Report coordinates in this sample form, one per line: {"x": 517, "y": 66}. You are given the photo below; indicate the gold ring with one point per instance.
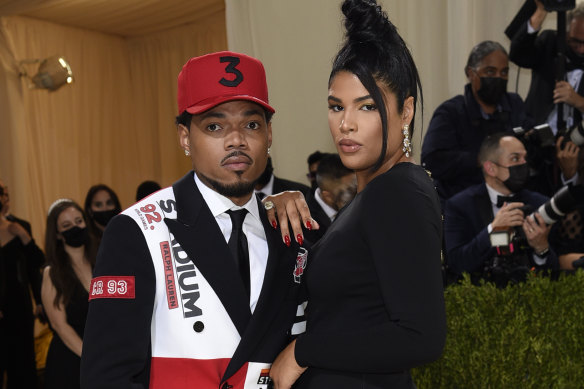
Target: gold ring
{"x": 268, "y": 205}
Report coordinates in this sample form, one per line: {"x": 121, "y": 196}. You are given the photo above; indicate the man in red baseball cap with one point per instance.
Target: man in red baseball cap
{"x": 192, "y": 286}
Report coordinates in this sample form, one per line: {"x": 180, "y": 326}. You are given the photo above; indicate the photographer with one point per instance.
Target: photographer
{"x": 459, "y": 125}
{"x": 481, "y": 210}
{"x": 538, "y": 52}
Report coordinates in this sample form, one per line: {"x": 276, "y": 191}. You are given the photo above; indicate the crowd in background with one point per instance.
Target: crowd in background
{"x": 495, "y": 160}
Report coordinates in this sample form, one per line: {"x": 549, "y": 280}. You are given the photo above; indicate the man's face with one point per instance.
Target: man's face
{"x": 576, "y": 36}
{"x": 312, "y": 172}
{"x": 4, "y": 198}
{"x": 512, "y": 153}
{"x": 229, "y": 147}
{"x": 496, "y": 64}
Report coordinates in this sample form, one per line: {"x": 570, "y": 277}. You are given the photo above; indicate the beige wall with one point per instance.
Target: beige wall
{"x": 297, "y": 40}
{"x": 113, "y": 125}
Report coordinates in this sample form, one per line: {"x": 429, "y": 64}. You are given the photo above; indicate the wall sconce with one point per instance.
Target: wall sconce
{"x": 52, "y": 73}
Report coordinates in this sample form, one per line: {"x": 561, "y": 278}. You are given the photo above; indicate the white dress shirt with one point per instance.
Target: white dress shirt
{"x": 330, "y": 211}
{"x": 252, "y": 228}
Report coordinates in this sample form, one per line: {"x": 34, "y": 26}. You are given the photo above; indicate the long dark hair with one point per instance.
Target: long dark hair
{"x": 61, "y": 271}
{"x": 91, "y": 223}
{"x": 375, "y": 52}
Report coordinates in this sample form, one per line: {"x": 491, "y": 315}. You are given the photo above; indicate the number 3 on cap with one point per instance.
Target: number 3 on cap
{"x": 230, "y": 68}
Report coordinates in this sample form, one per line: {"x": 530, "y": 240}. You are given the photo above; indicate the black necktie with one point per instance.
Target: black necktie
{"x": 262, "y": 195}
{"x": 238, "y": 245}
{"x": 505, "y": 199}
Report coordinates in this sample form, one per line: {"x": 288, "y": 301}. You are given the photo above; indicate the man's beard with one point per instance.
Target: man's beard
{"x": 239, "y": 189}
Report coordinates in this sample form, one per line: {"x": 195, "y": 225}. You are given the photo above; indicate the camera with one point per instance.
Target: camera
{"x": 558, "y": 5}
{"x": 574, "y": 134}
{"x": 540, "y": 136}
{"x": 562, "y": 202}
{"x": 511, "y": 264}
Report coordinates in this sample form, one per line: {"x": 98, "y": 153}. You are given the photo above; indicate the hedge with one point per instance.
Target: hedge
{"x": 529, "y": 335}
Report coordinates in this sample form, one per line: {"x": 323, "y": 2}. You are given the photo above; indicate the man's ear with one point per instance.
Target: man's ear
{"x": 183, "y": 137}
{"x": 269, "y": 134}
{"x": 490, "y": 168}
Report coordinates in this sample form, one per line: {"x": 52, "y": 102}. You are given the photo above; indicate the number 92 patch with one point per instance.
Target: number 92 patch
{"x": 116, "y": 287}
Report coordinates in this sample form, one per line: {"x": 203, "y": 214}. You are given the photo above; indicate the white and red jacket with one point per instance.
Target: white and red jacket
{"x": 168, "y": 309}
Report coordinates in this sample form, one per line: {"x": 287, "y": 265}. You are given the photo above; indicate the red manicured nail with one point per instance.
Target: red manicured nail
{"x": 309, "y": 225}
{"x": 299, "y": 239}
{"x": 287, "y": 240}
{"x": 274, "y": 224}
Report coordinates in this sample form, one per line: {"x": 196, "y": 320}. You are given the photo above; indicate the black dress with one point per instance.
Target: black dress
{"x": 19, "y": 273}
{"x": 375, "y": 304}
{"x": 62, "y": 367}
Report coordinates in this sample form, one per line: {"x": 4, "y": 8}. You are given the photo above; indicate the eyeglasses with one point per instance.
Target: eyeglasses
{"x": 575, "y": 42}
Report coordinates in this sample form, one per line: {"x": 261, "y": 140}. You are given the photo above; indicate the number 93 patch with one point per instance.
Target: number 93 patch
{"x": 113, "y": 287}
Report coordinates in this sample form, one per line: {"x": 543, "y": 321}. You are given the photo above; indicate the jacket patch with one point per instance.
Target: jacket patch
{"x": 264, "y": 377}
{"x": 301, "y": 259}
{"x": 168, "y": 275}
{"x": 120, "y": 287}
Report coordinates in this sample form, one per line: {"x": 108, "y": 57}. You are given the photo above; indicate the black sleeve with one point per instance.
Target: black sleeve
{"x": 116, "y": 342}
{"x": 466, "y": 252}
{"x": 35, "y": 259}
{"x": 405, "y": 248}
{"x": 442, "y": 153}
{"x": 529, "y": 50}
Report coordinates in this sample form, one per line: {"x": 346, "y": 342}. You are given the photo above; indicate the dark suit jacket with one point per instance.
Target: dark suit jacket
{"x": 455, "y": 134}
{"x": 320, "y": 216}
{"x": 466, "y": 218}
{"x": 281, "y": 185}
{"x": 117, "y": 335}
{"x": 30, "y": 268}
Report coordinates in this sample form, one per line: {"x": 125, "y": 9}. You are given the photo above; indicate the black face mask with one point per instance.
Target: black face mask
{"x": 518, "y": 177}
{"x": 103, "y": 217}
{"x": 76, "y": 236}
{"x": 492, "y": 89}
{"x": 574, "y": 60}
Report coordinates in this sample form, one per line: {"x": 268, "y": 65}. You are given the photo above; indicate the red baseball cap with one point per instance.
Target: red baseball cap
{"x": 207, "y": 81}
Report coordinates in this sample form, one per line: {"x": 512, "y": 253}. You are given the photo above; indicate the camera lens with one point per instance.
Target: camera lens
{"x": 565, "y": 200}
{"x": 576, "y": 135}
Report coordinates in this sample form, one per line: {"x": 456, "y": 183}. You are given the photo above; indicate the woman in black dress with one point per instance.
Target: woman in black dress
{"x": 375, "y": 304}
{"x": 70, "y": 257}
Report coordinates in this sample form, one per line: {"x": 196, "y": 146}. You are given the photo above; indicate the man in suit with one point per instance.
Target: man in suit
{"x": 269, "y": 184}
{"x": 459, "y": 125}
{"x": 192, "y": 286}
{"x": 476, "y": 213}
{"x": 337, "y": 185}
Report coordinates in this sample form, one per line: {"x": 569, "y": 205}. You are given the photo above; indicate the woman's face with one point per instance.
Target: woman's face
{"x": 69, "y": 218}
{"x": 355, "y": 124}
{"x": 102, "y": 201}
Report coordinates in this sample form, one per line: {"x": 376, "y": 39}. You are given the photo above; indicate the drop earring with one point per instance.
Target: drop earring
{"x": 268, "y": 151}
{"x": 407, "y": 148}
{"x": 187, "y": 152}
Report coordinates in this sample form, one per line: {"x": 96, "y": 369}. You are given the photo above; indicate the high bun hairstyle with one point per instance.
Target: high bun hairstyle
{"x": 375, "y": 52}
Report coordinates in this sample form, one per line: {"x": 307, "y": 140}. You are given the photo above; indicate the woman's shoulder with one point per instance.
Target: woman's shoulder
{"x": 401, "y": 176}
